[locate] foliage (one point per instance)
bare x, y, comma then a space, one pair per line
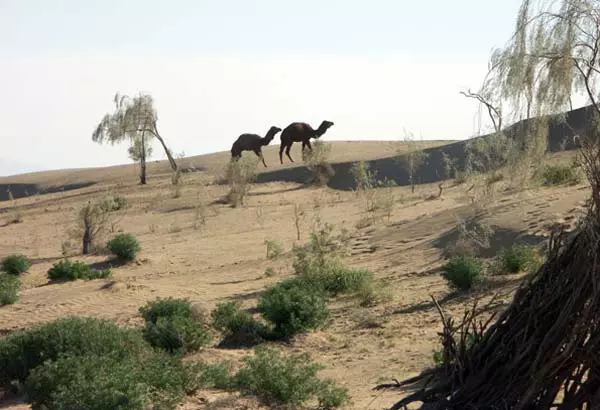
125, 246
68, 270
22, 351
176, 335
288, 380
140, 149
558, 174
170, 325
364, 178
413, 160
239, 327
133, 118
274, 249
95, 381
209, 375
462, 271
9, 287
15, 264
92, 221
293, 307
317, 162
113, 203
517, 258
240, 175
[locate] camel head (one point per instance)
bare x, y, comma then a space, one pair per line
323, 128
271, 134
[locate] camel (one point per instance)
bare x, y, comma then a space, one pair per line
300, 132
253, 142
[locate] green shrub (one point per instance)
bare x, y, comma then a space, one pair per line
288, 380
170, 325
167, 307
205, 375
517, 258
274, 249
176, 335
67, 270
98, 382
125, 246
462, 271
15, 264
9, 288
293, 307
240, 328
558, 174
22, 351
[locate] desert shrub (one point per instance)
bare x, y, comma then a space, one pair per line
176, 335
67, 270
15, 264
171, 325
22, 351
364, 178
462, 271
91, 224
9, 288
96, 381
288, 380
125, 246
558, 174
240, 174
239, 327
372, 294
318, 255
293, 307
113, 203
316, 161
166, 307
516, 258
209, 375
274, 249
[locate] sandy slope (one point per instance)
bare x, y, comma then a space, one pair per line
225, 259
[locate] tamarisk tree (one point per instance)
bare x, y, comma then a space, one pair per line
134, 119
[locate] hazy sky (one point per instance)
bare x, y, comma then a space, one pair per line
218, 68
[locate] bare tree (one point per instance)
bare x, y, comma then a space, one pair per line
493, 111
412, 160
134, 118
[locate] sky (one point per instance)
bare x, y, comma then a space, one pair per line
220, 68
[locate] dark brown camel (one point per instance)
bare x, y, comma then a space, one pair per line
253, 142
300, 132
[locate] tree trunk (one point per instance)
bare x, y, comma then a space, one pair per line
162, 142
143, 161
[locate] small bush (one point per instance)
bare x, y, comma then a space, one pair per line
176, 335
67, 270
240, 175
240, 328
22, 351
517, 258
293, 306
558, 174
274, 249
125, 246
170, 325
288, 380
167, 307
463, 271
205, 375
15, 264
9, 288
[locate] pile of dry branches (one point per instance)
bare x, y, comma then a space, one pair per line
543, 352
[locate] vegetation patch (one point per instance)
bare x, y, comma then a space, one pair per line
124, 246
67, 270
462, 272
517, 258
15, 264
9, 288
559, 174
288, 380
239, 327
170, 325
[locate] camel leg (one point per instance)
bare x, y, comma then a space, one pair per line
287, 152
260, 155
308, 145
281, 148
